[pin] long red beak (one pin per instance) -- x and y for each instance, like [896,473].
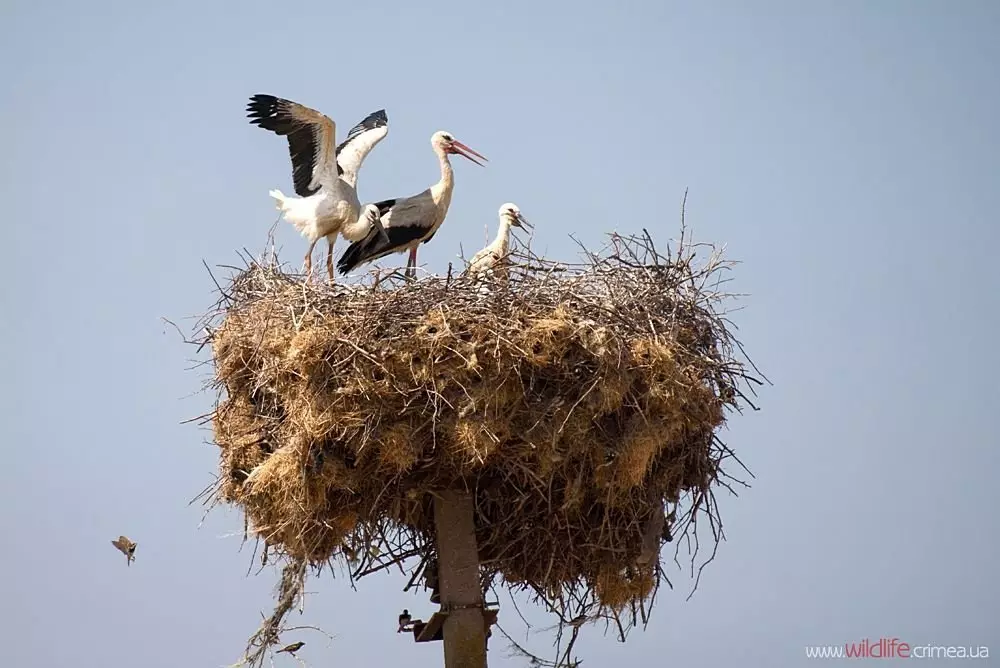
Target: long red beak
[464,151]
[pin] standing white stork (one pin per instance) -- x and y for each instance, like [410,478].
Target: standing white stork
[325,178]
[493,259]
[410,221]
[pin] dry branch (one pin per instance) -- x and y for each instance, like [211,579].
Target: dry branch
[579,402]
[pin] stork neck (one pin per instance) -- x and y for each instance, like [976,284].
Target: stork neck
[356,228]
[503,234]
[504,230]
[447,176]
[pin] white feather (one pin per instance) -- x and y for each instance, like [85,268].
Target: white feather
[335,208]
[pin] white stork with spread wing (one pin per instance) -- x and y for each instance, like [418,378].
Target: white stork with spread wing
[324,177]
[410,221]
[494,258]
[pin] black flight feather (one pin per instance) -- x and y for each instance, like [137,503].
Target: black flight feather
[272,113]
[374,246]
[376,119]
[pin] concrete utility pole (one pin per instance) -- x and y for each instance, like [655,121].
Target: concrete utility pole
[458,573]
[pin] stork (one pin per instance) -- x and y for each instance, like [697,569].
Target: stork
[493,258]
[325,178]
[413,220]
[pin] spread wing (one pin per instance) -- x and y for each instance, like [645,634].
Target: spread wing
[310,139]
[126,546]
[361,139]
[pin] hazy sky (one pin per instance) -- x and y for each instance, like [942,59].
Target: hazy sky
[847,153]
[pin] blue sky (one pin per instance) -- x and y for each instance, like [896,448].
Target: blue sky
[846,153]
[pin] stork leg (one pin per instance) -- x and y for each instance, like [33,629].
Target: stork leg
[329,258]
[411,264]
[309,259]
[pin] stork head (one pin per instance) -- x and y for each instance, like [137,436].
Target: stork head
[373,216]
[371,213]
[510,213]
[446,142]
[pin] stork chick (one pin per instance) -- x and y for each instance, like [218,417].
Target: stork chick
[493,259]
[325,178]
[411,221]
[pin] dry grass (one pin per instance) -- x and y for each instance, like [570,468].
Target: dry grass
[580,403]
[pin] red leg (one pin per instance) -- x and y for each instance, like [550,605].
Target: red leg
[411,264]
[329,259]
[309,260]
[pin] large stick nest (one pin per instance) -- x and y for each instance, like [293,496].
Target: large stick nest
[579,403]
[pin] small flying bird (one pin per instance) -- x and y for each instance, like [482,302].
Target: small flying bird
[324,177]
[126,547]
[411,221]
[404,621]
[291,649]
[494,259]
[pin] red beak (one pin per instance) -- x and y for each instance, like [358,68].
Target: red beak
[464,151]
